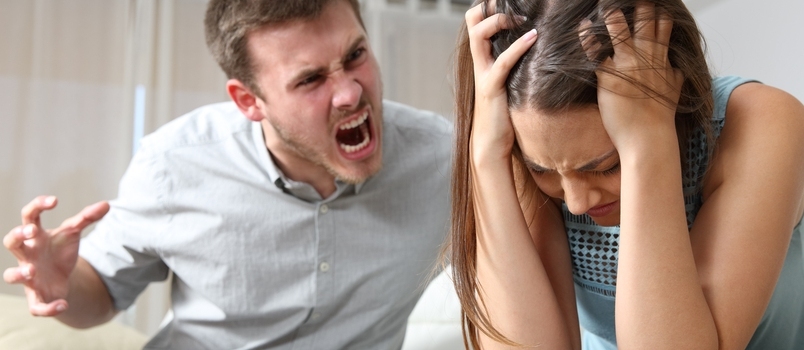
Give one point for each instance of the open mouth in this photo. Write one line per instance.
(355, 135)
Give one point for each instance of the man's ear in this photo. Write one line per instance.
(249, 104)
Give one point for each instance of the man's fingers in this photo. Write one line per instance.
(86, 217)
(50, 309)
(18, 237)
(95, 212)
(20, 274)
(32, 211)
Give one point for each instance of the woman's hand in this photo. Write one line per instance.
(492, 132)
(638, 89)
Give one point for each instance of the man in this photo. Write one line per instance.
(281, 229)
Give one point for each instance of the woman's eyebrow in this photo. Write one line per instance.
(591, 165)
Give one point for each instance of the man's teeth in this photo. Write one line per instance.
(359, 146)
(355, 123)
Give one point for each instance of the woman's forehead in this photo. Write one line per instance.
(564, 140)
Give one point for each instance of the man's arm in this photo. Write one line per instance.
(89, 300)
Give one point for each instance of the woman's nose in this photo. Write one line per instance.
(579, 195)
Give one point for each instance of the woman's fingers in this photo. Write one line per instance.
(479, 39)
(589, 43)
(502, 66)
(32, 211)
(664, 28)
(618, 30)
(644, 21)
(478, 13)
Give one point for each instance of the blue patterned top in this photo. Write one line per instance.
(595, 248)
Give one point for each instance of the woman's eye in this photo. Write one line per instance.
(613, 170)
(537, 172)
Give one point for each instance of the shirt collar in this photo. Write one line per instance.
(298, 189)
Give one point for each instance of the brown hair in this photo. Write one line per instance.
(556, 74)
(228, 22)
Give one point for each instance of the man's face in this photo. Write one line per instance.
(322, 94)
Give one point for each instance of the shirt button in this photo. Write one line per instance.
(324, 209)
(324, 267)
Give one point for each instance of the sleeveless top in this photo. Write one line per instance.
(594, 252)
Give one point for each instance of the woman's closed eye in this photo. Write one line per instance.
(614, 169)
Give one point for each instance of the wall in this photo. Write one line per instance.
(761, 40)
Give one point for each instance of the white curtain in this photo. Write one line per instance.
(80, 81)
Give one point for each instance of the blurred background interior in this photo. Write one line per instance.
(82, 80)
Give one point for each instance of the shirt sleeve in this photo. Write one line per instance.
(123, 246)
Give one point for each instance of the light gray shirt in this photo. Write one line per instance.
(256, 266)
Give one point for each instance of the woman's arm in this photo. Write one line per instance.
(752, 200)
(515, 288)
(707, 288)
(660, 303)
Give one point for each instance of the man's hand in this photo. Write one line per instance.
(46, 258)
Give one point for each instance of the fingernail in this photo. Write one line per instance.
(60, 308)
(50, 200)
(25, 272)
(530, 34)
(28, 232)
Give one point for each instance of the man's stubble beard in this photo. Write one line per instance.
(303, 151)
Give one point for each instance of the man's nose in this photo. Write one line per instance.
(346, 91)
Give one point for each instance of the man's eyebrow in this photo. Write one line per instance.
(591, 165)
(308, 72)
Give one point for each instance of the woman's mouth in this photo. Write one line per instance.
(602, 210)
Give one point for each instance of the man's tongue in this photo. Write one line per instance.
(353, 136)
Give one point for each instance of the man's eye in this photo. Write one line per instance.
(356, 54)
(309, 80)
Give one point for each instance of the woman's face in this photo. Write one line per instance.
(571, 158)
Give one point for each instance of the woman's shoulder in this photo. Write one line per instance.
(754, 100)
(764, 126)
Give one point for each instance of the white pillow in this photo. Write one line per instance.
(435, 323)
(21, 331)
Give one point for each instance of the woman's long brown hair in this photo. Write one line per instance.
(554, 75)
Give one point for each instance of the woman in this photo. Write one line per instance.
(599, 163)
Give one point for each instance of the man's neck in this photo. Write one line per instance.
(298, 169)
(321, 180)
